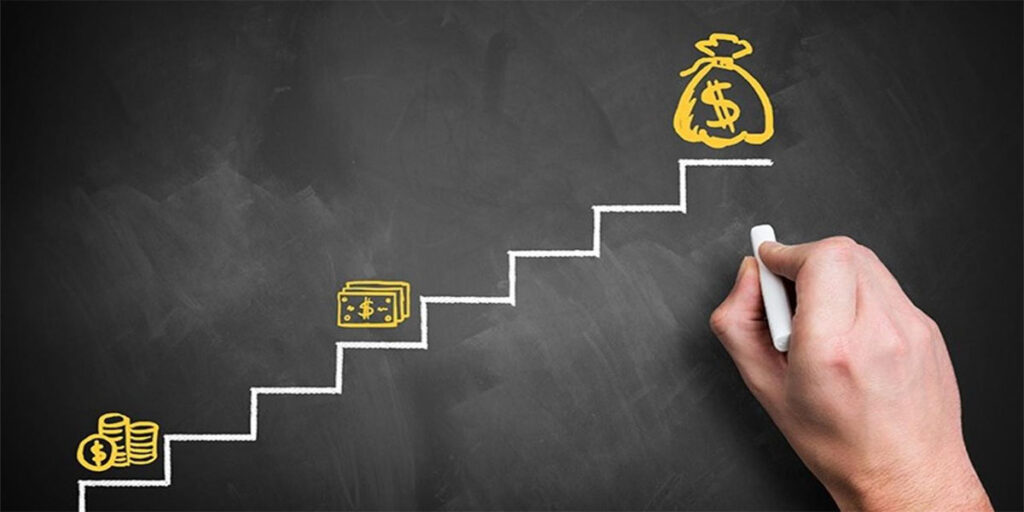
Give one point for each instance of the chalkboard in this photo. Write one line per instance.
(188, 186)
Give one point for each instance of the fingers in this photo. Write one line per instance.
(785, 260)
(741, 310)
(826, 283)
(740, 325)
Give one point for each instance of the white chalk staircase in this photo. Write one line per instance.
(421, 344)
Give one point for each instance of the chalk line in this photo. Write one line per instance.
(422, 343)
(254, 394)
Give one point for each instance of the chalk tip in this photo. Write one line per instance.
(763, 229)
(781, 343)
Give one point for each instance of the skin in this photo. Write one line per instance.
(866, 394)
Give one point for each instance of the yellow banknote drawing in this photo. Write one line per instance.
(373, 304)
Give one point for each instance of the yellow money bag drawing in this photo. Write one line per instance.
(720, 129)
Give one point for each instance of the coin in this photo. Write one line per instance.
(101, 452)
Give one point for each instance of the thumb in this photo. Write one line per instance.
(784, 260)
(739, 323)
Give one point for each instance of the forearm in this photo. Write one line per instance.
(953, 486)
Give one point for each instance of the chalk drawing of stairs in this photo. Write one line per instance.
(421, 344)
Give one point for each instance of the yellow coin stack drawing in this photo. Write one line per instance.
(142, 447)
(720, 131)
(373, 304)
(119, 442)
(114, 426)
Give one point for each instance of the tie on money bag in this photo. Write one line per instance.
(733, 106)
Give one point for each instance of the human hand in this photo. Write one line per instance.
(866, 394)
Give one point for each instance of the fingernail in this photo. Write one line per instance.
(744, 267)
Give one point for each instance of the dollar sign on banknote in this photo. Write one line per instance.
(726, 111)
(366, 309)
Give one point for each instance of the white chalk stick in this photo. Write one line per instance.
(776, 302)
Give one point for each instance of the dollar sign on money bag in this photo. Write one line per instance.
(366, 309)
(726, 111)
(722, 122)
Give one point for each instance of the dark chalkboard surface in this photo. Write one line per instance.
(187, 186)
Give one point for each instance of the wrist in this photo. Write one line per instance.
(953, 486)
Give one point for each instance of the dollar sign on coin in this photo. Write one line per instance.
(102, 449)
(366, 309)
(726, 111)
(98, 455)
